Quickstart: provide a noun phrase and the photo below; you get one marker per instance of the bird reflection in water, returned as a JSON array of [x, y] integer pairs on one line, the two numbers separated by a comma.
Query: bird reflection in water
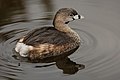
[[62, 62]]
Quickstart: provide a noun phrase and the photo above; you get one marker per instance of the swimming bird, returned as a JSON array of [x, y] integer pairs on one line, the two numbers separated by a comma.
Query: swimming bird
[[51, 40]]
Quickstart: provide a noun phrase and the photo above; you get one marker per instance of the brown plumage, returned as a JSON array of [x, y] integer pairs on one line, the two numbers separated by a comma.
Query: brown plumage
[[51, 41]]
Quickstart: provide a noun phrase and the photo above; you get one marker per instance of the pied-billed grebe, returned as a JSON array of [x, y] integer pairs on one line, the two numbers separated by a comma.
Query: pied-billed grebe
[[51, 41]]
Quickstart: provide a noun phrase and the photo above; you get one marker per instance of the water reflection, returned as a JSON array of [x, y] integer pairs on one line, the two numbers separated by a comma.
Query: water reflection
[[49, 7], [65, 64], [68, 66], [9, 9], [62, 62], [25, 10]]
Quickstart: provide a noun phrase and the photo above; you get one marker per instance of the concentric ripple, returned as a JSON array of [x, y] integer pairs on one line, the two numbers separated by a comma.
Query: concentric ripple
[[98, 57], [99, 52]]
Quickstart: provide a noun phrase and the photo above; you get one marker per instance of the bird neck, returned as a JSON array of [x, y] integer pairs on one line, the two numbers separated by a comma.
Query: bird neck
[[61, 26]]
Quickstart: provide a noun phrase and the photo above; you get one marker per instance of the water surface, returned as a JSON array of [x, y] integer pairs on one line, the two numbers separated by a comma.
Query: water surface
[[100, 40]]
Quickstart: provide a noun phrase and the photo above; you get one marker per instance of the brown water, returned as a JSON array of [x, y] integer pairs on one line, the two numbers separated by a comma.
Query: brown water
[[99, 31]]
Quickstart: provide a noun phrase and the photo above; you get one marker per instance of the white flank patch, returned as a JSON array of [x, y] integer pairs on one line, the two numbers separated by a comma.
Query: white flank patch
[[23, 49]]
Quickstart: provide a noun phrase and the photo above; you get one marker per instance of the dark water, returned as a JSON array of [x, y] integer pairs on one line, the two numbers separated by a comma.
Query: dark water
[[99, 31]]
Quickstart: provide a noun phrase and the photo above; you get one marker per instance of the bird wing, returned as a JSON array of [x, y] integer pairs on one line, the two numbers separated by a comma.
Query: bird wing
[[46, 35]]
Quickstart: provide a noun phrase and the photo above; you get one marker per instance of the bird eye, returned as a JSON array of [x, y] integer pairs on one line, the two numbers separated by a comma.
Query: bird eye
[[71, 15]]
